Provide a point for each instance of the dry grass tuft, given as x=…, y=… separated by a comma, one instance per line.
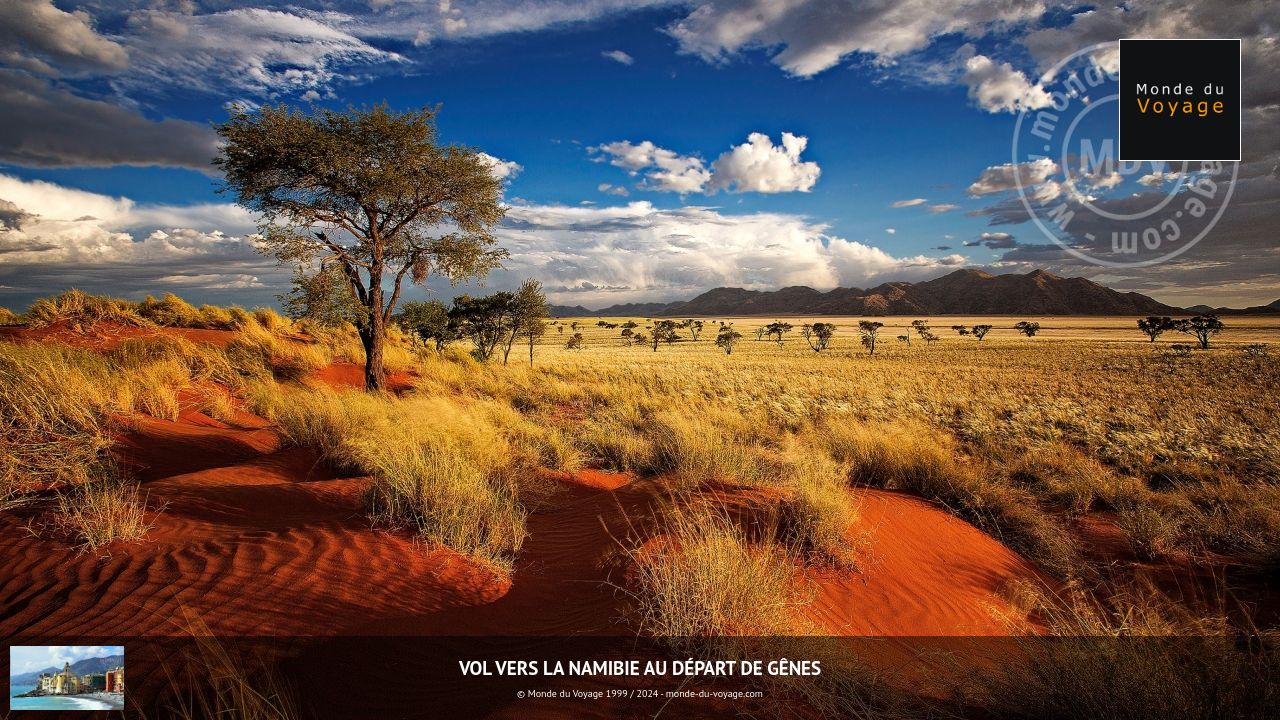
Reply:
x=106, y=510
x=82, y=311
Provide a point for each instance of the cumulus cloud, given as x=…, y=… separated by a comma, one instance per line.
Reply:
x=110, y=244
x=907, y=203
x=619, y=56
x=35, y=35
x=639, y=252
x=760, y=166
x=502, y=169
x=1002, y=178
x=49, y=127
x=660, y=168
x=754, y=166
x=809, y=37
x=998, y=87
x=610, y=189
x=997, y=240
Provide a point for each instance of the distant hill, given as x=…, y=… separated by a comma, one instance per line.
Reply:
x=82, y=667
x=963, y=292
x=624, y=310
x=1269, y=309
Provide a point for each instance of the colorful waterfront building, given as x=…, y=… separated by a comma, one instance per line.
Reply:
x=115, y=680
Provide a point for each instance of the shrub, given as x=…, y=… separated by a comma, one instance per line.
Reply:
x=9, y=317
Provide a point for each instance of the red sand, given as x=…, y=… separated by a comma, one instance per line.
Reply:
x=107, y=335
x=351, y=375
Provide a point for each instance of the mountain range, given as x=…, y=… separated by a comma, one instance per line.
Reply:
x=963, y=292
x=80, y=667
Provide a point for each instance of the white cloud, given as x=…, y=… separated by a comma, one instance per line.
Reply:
x=891, y=231
x=943, y=207
x=754, y=166
x=619, y=56
x=1002, y=178
x=760, y=166
x=908, y=203
x=37, y=36
x=997, y=87
x=638, y=252
x=609, y=189
x=661, y=169
x=251, y=50
x=809, y=36
x=502, y=169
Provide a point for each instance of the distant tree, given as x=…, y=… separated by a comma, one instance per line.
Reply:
x=869, y=330
x=930, y=338
x=1256, y=350
x=905, y=339
x=1027, y=328
x=726, y=338
x=323, y=297
x=429, y=321
x=559, y=328
x=639, y=338
x=960, y=329
x=980, y=331
x=369, y=191
x=574, y=325
x=631, y=324
x=574, y=342
x=663, y=331
x=487, y=321
x=695, y=329
x=626, y=335
x=921, y=327
x=1154, y=326
x=760, y=331
x=776, y=330
x=530, y=319
x=1203, y=327
x=818, y=335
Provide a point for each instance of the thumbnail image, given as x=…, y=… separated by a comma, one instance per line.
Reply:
x=66, y=677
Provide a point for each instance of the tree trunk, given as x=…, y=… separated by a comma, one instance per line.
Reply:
x=374, y=336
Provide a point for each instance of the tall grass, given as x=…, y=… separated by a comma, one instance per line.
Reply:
x=9, y=317
x=441, y=468
x=1134, y=656
x=917, y=459
x=83, y=311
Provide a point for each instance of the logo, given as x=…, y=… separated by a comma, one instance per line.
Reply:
x=1075, y=189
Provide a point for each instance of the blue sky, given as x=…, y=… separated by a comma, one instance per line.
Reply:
x=645, y=148
x=30, y=658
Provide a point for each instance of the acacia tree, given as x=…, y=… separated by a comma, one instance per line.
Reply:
x=663, y=331
x=921, y=327
x=1026, y=327
x=726, y=338
x=869, y=330
x=776, y=330
x=485, y=320
x=1154, y=326
x=531, y=314
x=429, y=321
x=818, y=335
x=369, y=191
x=980, y=331
x=695, y=329
x=1203, y=327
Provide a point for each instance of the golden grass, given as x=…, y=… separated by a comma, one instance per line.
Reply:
x=705, y=578
x=1136, y=654
x=445, y=469
x=105, y=510
x=83, y=311
x=9, y=317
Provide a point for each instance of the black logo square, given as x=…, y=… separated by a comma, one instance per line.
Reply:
x=1179, y=100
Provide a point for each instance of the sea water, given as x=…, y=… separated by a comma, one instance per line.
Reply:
x=50, y=702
